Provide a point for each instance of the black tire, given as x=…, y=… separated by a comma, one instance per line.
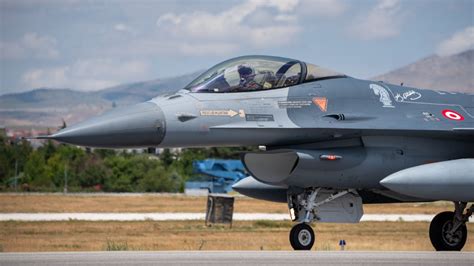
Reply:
x=302, y=237
x=439, y=226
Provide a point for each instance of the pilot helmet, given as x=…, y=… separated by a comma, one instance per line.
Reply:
x=245, y=70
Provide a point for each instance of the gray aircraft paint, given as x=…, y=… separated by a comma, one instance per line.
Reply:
x=435, y=181
x=363, y=112
x=389, y=144
x=211, y=120
x=140, y=125
x=378, y=129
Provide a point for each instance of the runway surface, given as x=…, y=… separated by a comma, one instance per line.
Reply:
x=189, y=216
x=239, y=258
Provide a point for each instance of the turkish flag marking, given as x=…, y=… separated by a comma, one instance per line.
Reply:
x=452, y=115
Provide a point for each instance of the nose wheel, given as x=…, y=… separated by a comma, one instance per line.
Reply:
x=302, y=237
x=448, y=231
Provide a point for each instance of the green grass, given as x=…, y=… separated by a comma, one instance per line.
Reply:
x=271, y=224
x=112, y=245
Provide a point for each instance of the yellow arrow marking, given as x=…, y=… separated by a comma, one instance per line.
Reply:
x=229, y=112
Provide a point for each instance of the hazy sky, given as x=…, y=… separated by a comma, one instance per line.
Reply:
x=89, y=45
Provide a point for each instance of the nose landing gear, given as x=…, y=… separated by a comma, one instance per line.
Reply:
x=302, y=237
x=318, y=204
x=448, y=231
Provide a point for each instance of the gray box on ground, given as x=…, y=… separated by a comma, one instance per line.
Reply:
x=220, y=209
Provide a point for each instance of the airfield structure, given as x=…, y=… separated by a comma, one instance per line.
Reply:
x=215, y=175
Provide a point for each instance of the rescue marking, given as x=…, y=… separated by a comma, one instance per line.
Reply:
x=230, y=113
x=452, y=115
x=293, y=104
x=321, y=102
x=384, y=95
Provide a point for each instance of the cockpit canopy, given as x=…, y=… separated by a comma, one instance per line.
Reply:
x=253, y=73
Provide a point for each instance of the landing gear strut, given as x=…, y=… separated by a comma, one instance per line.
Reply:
x=305, y=208
x=448, y=230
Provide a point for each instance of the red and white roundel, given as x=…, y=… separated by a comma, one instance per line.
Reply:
x=453, y=115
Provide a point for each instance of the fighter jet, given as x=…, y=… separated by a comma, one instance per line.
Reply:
x=328, y=143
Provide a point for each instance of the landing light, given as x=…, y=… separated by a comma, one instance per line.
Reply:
x=330, y=157
x=292, y=214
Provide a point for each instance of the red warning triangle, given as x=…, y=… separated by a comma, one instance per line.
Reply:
x=321, y=102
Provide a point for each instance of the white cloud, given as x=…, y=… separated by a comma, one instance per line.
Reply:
x=249, y=25
x=168, y=18
x=222, y=48
x=238, y=26
x=457, y=43
x=281, y=5
x=286, y=18
x=87, y=75
x=123, y=27
x=382, y=21
x=42, y=46
x=327, y=8
x=10, y=50
x=31, y=45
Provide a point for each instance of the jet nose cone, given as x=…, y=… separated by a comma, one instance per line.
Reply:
x=141, y=125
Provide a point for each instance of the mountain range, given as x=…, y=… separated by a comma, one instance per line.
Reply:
x=48, y=107
x=447, y=73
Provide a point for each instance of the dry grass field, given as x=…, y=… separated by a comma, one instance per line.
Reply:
x=174, y=203
x=194, y=235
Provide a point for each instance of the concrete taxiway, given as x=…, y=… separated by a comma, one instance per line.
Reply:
x=239, y=258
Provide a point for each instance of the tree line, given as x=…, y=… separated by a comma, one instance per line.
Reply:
x=54, y=167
